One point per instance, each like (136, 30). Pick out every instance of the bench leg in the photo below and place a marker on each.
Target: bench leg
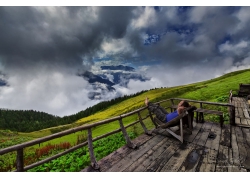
(202, 117)
(221, 121)
(197, 114)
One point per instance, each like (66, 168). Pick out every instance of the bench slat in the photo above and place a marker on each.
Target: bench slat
(208, 111)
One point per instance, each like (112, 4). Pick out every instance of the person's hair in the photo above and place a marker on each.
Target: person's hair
(185, 104)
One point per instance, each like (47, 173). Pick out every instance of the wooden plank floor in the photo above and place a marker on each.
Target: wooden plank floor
(242, 111)
(208, 149)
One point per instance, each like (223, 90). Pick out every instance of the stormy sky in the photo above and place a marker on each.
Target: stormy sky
(43, 47)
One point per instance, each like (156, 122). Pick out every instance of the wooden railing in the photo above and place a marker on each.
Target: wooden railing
(20, 147)
(231, 107)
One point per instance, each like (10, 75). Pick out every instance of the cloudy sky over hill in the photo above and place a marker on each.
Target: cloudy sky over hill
(42, 49)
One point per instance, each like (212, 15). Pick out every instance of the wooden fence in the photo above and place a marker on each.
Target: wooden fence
(20, 147)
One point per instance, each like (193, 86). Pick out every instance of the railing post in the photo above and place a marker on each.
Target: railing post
(172, 105)
(232, 115)
(143, 125)
(151, 117)
(201, 114)
(91, 150)
(125, 134)
(19, 160)
(231, 109)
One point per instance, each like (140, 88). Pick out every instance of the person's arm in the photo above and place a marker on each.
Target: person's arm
(180, 110)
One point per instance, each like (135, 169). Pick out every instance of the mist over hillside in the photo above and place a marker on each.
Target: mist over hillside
(104, 82)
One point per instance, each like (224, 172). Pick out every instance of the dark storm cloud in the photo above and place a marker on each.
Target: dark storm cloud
(191, 36)
(67, 36)
(62, 36)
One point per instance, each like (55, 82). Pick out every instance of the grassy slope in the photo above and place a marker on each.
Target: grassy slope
(207, 90)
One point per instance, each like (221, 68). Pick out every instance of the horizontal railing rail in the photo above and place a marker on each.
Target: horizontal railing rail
(231, 107)
(20, 147)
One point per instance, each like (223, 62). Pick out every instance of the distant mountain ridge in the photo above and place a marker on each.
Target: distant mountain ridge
(123, 78)
(119, 67)
(103, 83)
(3, 82)
(92, 78)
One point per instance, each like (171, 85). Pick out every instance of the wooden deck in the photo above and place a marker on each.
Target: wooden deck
(208, 149)
(241, 112)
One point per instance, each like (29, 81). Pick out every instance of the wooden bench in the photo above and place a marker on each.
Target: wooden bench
(244, 90)
(200, 114)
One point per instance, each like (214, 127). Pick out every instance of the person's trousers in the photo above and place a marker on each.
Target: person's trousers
(159, 111)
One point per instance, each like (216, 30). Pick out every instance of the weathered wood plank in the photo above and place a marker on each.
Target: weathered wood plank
(193, 159)
(208, 111)
(237, 120)
(213, 140)
(163, 158)
(195, 131)
(199, 134)
(175, 162)
(225, 136)
(222, 163)
(157, 155)
(230, 159)
(204, 136)
(245, 112)
(236, 110)
(241, 145)
(243, 121)
(246, 136)
(114, 157)
(240, 112)
(145, 160)
(248, 121)
(209, 158)
(134, 155)
(209, 161)
(232, 167)
(235, 150)
(19, 160)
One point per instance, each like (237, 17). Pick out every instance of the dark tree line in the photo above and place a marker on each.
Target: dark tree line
(31, 120)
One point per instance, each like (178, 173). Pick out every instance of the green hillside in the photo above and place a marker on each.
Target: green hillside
(209, 90)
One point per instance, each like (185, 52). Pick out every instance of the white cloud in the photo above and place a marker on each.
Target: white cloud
(237, 49)
(244, 64)
(244, 18)
(115, 46)
(198, 13)
(170, 13)
(52, 92)
(146, 17)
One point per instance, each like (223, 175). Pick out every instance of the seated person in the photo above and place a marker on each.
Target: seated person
(162, 114)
